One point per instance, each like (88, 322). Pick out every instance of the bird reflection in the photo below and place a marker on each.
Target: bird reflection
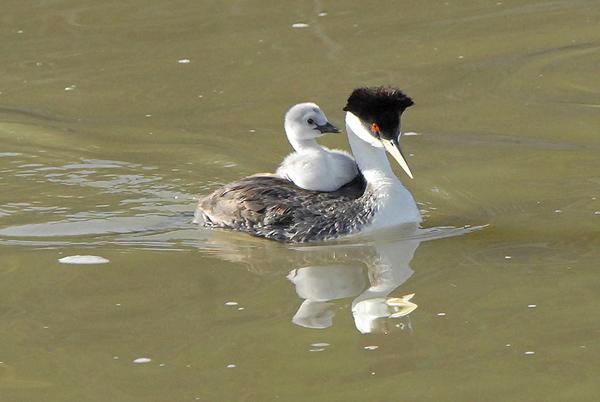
(367, 270)
(386, 266)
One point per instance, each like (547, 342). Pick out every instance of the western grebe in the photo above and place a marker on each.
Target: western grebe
(312, 166)
(275, 208)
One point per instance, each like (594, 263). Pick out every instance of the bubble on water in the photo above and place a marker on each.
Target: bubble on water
(83, 259)
(316, 349)
(507, 257)
(231, 303)
(532, 305)
(70, 87)
(558, 211)
(322, 14)
(299, 25)
(530, 352)
(231, 366)
(441, 314)
(371, 347)
(184, 61)
(319, 344)
(142, 360)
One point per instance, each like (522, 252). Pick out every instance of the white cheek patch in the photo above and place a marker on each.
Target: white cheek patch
(361, 131)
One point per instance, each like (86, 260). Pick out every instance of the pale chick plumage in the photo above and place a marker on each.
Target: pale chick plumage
(275, 208)
(312, 166)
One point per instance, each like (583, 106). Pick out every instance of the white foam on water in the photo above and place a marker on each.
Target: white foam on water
(299, 25)
(83, 259)
(142, 360)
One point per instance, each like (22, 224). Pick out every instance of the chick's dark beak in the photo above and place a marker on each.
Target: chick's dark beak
(327, 128)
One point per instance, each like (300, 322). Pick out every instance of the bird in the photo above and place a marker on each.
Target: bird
(305, 166)
(275, 208)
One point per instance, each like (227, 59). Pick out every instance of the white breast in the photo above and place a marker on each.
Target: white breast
(319, 169)
(396, 206)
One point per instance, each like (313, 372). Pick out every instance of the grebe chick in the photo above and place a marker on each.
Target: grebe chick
(312, 166)
(275, 208)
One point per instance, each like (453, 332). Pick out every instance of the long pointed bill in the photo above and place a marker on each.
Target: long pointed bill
(394, 149)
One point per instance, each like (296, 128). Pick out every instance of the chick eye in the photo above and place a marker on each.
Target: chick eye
(310, 121)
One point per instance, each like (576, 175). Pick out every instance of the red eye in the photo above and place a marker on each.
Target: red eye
(375, 128)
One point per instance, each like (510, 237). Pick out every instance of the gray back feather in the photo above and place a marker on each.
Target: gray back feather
(275, 208)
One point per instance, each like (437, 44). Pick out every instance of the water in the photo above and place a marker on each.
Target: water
(116, 116)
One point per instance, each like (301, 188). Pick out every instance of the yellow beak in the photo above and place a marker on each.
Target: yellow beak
(394, 149)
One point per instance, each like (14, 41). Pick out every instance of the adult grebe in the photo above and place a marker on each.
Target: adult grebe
(306, 166)
(271, 207)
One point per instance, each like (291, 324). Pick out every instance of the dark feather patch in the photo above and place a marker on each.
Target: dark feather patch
(275, 208)
(381, 105)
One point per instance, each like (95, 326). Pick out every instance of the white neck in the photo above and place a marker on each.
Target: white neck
(395, 203)
(304, 144)
(371, 160)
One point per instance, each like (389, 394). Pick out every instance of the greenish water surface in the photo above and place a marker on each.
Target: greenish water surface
(116, 116)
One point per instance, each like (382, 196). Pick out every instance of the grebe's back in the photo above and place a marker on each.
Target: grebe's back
(273, 207)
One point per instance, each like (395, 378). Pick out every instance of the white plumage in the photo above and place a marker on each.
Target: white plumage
(312, 166)
(276, 208)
